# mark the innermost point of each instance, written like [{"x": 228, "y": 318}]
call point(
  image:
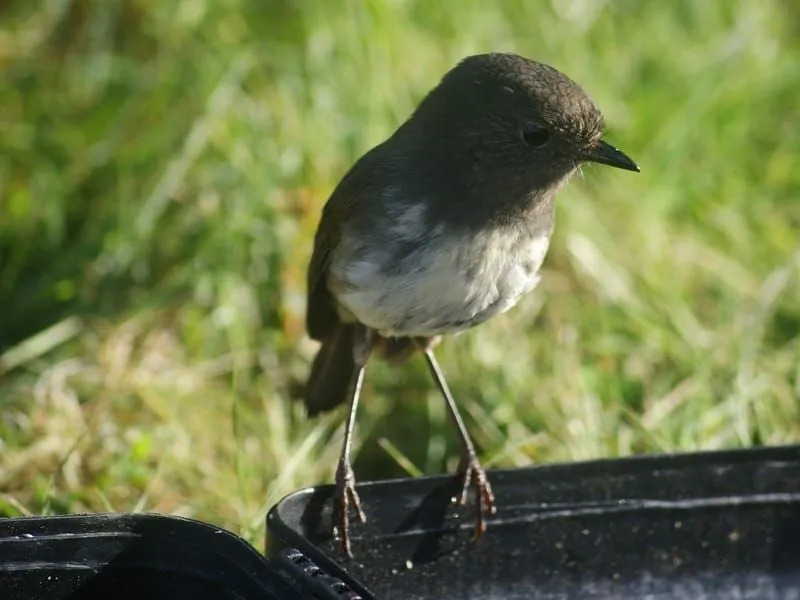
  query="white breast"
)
[{"x": 448, "y": 282}]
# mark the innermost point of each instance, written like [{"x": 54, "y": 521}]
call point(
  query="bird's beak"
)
[{"x": 606, "y": 154}]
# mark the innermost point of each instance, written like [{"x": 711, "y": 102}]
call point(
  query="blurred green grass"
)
[{"x": 162, "y": 169}]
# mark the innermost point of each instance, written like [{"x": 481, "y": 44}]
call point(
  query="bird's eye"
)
[{"x": 535, "y": 135}]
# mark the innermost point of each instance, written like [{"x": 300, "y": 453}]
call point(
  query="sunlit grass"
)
[{"x": 162, "y": 169}]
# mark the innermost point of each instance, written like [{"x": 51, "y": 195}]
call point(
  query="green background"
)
[{"x": 162, "y": 169}]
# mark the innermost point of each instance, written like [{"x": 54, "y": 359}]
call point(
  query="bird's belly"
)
[{"x": 445, "y": 284}]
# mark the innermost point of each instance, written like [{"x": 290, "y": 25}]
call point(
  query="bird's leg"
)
[
  {"x": 470, "y": 470},
  {"x": 346, "y": 495}
]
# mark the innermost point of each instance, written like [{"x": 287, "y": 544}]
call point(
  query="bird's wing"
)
[
  {"x": 321, "y": 314},
  {"x": 361, "y": 184}
]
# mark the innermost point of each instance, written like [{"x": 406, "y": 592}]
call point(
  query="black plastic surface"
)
[
  {"x": 711, "y": 525},
  {"x": 125, "y": 556}
]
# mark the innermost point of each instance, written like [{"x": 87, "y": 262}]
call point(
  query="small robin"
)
[{"x": 438, "y": 229}]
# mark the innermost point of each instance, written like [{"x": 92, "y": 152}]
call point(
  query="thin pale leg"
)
[
  {"x": 470, "y": 470},
  {"x": 346, "y": 496}
]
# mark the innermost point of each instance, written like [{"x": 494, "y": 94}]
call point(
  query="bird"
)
[{"x": 438, "y": 229}]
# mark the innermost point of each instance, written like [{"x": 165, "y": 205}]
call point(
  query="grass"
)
[{"x": 162, "y": 170}]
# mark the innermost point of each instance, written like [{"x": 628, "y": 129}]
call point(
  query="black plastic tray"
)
[
  {"x": 152, "y": 557},
  {"x": 710, "y": 525},
  {"x": 719, "y": 525}
]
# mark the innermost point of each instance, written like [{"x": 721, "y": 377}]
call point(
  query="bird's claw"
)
[
  {"x": 470, "y": 472},
  {"x": 346, "y": 498}
]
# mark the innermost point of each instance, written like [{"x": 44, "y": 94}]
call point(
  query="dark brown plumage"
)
[{"x": 441, "y": 227}]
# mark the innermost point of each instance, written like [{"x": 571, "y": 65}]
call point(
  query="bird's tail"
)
[{"x": 332, "y": 372}]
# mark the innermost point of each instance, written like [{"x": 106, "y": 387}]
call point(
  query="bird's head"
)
[{"x": 505, "y": 123}]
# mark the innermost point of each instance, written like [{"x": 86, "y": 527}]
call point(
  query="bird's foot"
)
[
  {"x": 470, "y": 472},
  {"x": 346, "y": 498}
]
